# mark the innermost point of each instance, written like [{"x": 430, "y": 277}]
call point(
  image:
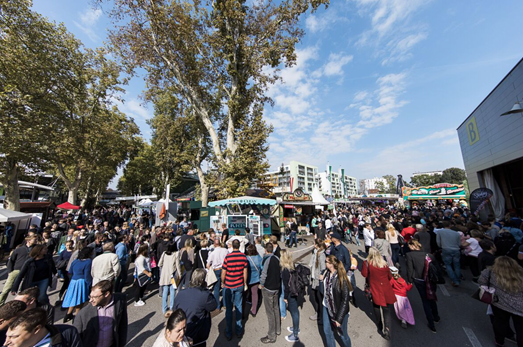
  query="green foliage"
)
[
  {"x": 212, "y": 57},
  {"x": 380, "y": 186},
  {"x": 139, "y": 172},
  {"x": 390, "y": 187},
  {"x": 452, "y": 175}
]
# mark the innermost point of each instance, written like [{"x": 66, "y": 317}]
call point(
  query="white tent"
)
[
  {"x": 13, "y": 216},
  {"x": 146, "y": 203},
  {"x": 317, "y": 197}
]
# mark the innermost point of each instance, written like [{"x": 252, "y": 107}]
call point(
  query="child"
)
[{"x": 402, "y": 305}]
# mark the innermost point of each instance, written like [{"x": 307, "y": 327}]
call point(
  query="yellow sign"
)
[
  {"x": 204, "y": 214},
  {"x": 472, "y": 131}
]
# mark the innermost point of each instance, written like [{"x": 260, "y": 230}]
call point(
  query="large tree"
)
[
  {"x": 35, "y": 80},
  {"x": 94, "y": 138},
  {"x": 453, "y": 175},
  {"x": 214, "y": 57}
]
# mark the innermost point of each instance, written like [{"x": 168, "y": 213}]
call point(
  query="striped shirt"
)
[{"x": 234, "y": 263}]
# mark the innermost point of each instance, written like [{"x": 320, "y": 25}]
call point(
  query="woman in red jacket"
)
[{"x": 378, "y": 275}]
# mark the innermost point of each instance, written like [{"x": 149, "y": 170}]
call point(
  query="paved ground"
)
[{"x": 464, "y": 321}]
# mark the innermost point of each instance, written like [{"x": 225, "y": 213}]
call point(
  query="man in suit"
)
[{"x": 104, "y": 322}]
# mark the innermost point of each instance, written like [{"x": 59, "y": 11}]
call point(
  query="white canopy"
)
[
  {"x": 317, "y": 197},
  {"x": 12, "y": 216},
  {"x": 146, "y": 203}
]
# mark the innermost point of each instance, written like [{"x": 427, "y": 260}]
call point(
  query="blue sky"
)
[{"x": 380, "y": 85}]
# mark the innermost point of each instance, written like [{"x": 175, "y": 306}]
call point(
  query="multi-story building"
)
[
  {"x": 369, "y": 184},
  {"x": 429, "y": 173},
  {"x": 289, "y": 177},
  {"x": 336, "y": 184}
]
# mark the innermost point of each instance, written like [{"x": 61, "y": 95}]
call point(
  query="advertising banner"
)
[
  {"x": 479, "y": 199},
  {"x": 237, "y": 223}
]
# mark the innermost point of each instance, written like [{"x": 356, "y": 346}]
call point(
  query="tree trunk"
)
[
  {"x": 87, "y": 192},
  {"x": 73, "y": 195},
  {"x": 12, "y": 191},
  {"x": 203, "y": 186}
]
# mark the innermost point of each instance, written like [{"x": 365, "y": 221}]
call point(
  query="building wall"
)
[
  {"x": 303, "y": 176},
  {"x": 500, "y": 139},
  {"x": 370, "y": 183},
  {"x": 334, "y": 186}
]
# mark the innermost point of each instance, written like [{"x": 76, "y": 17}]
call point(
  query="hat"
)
[
  {"x": 394, "y": 270},
  {"x": 336, "y": 236}
]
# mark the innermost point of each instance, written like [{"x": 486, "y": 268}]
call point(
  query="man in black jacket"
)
[
  {"x": 270, "y": 281},
  {"x": 29, "y": 329},
  {"x": 106, "y": 307},
  {"x": 197, "y": 302},
  {"x": 30, "y": 297},
  {"x": 14, "y": 265}
]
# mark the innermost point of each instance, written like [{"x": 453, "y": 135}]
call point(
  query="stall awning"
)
[
  {"x": 68, "y": 206},
  {"x": 12, "y": 216},
  {"x": 432, "y": 197},
  {"x": 243, "y": 200},
  {"x": 299, "y": 203}
]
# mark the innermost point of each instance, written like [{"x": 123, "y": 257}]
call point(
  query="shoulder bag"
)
[
  {"x": 486, "y": 293},
  {"x": 210, "y": 277},
  {"x": 366, "y": 289}
]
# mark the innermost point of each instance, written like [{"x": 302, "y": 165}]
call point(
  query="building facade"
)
[
  {"x": 294, "y": 175},
  {"x": 428, "y": 173},
  {"x": 492, "y": 144},
  {"x": 370, "y": 184},
  {"x": 336, "y": 184}
]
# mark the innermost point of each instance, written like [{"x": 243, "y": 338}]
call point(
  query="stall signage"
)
[
  {"x": 237, "y": 223},
  {"x": 439, "y": 190},
  {"x": 288, "y": 206},
  {"x": 297, "y": 195}
]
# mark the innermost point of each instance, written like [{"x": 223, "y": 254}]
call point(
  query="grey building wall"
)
[{"x": 500, "y": 138}]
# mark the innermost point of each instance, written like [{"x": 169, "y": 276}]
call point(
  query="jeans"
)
[
  {"x": 8, "y": 285},
  {"x": 317, "y": 302},
  {"x": 166, "y": 291},
  {"x": 283, "y": 309},
  {"x": 474, "y": 266},
  {"x": 121, "y": 278},
  {"x": 295, "y": 314},
  {"x": 429, "y": 306},
  {"x": 42, "y": 285},
  {"x": 253, "y": 290},
  {"x": 395, "y": 248},
  {"x": 386, "y": 315},
  {"x": 233, "y": 296},
  {"x": 270, "y": 301},
  {"x": 140, "y": 291},
  {"x": 329, "y": 333},
  {"x": 293, "y": 239},
  {"x": 451, "y": 260},
  {"x": 217, "y": 287}
]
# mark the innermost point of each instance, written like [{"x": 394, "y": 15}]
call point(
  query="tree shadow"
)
[{"x": 139, "y": 325}]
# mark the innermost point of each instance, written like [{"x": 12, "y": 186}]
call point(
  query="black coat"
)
[
  {"x": 28, "y": 271},
  {"x": 341, "y": 299},
  {"x": 416, "y": 264},
  {"x": 64, "y": 336},
  {"x": 197, "y": 303},
  {"x": 86, "y": 321}
]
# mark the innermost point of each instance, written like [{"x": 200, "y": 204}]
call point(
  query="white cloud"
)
[
  {"x": 360, "y": 96},
  {"x": 133, "y": 108},
  {"x": 334, "y": 66},
  {"x": 319, "y": 22},
  {"x": 421, "y": 154},
  {"x": 88, "y": 22},
  {"x": 391, "y": 21}
]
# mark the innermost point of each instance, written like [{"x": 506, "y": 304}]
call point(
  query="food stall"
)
[
  {"x": 298, "y": 204},
  {"x": 440, "y": 191},
  {"x": 245, "y": 211}
]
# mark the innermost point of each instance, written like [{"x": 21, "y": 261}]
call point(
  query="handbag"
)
[
  {"x": 401, "y": 240},
  {"x": 210, "y": 277},
  {"x": 486, "y": 294},
  {"x": 366, "y": 289}
]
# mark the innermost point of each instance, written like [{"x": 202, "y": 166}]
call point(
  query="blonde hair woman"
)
[
  {"x": 391, "y": 235},
  {"x": 291, "y": 299},
  {"x": 506, "y": 276},
  {"x": 378, "y": 275},
  {"x": 187, "y": 261}
]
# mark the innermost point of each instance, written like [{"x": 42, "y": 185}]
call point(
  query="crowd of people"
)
[{"x": 200, "y": 273}]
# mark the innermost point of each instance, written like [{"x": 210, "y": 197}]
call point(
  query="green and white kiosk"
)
[{"x": 245, "y": 211}]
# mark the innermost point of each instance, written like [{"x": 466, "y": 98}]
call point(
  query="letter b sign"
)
[{"x": 472, "y": 131}]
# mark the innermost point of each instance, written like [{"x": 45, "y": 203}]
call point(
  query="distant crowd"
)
[{"x": 90, "y": 258}]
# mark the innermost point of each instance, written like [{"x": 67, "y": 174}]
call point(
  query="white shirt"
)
[
  {"x": 474, "y": 246},
  {"x": 328, "y": 224},
  {"x": 368, "y": 236},
  {"x": 216, "y": 257}
]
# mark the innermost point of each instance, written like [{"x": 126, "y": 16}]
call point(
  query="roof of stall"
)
[{"x": 244, "y": 200}]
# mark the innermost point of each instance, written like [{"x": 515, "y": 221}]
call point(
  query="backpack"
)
[
  {"x": 299, "y": 280},
  {"x": 435, "y": 275}
]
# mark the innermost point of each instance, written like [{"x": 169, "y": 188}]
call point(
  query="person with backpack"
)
[
  {"x": 416, "y": 274},
  {"x": 291, "y": 294},
  {"x": 337, "y": 292}
]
